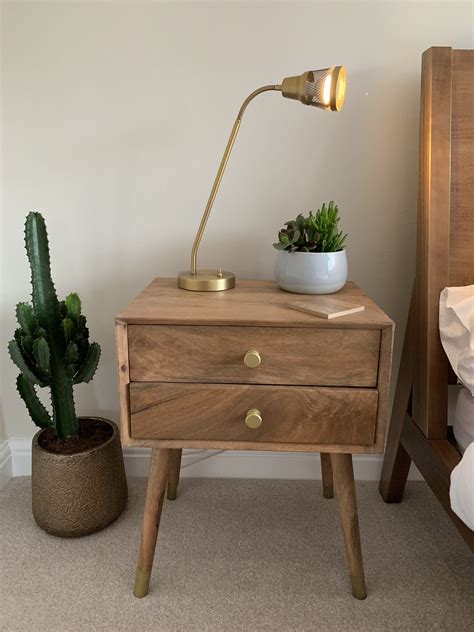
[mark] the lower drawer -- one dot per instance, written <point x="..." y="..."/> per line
<point x="217" y="412"/>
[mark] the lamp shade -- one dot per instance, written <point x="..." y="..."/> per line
<point x="324" y="88"/>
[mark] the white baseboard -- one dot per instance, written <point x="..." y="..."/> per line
<point x="5" y="463"/>
<point x="225" y="464"/>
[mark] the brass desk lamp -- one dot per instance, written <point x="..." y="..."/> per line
<point x="324" y="89"/>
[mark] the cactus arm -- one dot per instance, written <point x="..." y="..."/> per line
<point x="42" y="355"/>
<point x="26" y="317"/>
<point x="68" y="328"/>
<point x="18" y="359"/>
<point x="73" y="305"/>
<point x="89" y="366"/>
<point x="45" y="301"/>
<point x="37" y="411"/>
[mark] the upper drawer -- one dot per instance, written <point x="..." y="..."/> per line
<point x="313" y="357"/>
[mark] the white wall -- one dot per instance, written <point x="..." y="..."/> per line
<point x="115" y="116"/>
<point x="3" y="433"/>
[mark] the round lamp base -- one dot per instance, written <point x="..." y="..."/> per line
<point x="206" y="281"/>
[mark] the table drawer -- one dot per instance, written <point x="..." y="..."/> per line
<point x="217" y="412"/>
<point x="289" y="355"/>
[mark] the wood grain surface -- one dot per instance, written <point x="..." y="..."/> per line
<point x="327" y="475"/>
<point x="461" y="234"/>
<point x="436" y="459"/>
<point x="121" y="341"/>
<point x="217" y="413"/>
<point x="334" y="357"/>
<point x="347" y="501"/>
<point x="396" y="464"/>
<point x="159" y="468"/>
<point x="432" y="259"/>
<point x="258" y="303"/>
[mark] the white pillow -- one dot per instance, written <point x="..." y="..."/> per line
<point x="456" y="328"/>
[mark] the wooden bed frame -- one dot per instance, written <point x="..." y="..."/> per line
<point x="445" y="257"/>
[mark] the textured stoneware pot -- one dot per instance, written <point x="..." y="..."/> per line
<point x="311" y="272"/>
<point x="78" y="494"/>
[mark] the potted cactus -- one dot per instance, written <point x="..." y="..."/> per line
<point x="311" y="257"/>
<point x="78" y="476"/>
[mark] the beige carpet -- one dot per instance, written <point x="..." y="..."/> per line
<point x="239" y="555"/>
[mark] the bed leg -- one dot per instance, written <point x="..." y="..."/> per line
<point x="397" y="461"/>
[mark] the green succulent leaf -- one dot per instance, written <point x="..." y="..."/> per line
<point x="316" y="233"/>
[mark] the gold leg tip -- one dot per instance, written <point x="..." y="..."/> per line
<point x="142" y="582"/>
<point x="171" y="495"/>
<point x="328" y="494"/>
<point x="358" y="586"/>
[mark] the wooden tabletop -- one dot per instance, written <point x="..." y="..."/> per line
<point x="250" y="303"/>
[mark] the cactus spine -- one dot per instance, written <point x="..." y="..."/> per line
<point x="51" y="346"/>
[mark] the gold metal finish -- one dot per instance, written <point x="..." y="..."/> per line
<point x="322" y="88"/>
<point x="207" y="281"/>
<point x="204" y="281"/>
<point x="142" y="582"/>
<point x="358" y="586"/>
<point x="253" y="419"/>
<point x="338" y="88"/>
<point x="252" y="359"/>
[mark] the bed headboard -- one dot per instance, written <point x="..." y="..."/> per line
<point x="445" y="233"/>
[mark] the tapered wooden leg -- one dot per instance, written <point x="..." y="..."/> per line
<point x="396" y="463"/>
<point x="326" y="472"/>
<point x="159" y="468"/>
<point x="346" y="497"/>
<point x="173" y="479"/>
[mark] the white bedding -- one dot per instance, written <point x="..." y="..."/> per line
<point x="461" y="491"/>
<point x="463" y="420"/>
<point x="456" y="326"/>
<point x="456" y="329"/>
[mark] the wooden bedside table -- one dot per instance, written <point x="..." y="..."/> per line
<point x="239" y="370"/>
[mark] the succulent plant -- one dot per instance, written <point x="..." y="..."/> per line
<point x="316" y="233"/>
<point x="51" y="346"/>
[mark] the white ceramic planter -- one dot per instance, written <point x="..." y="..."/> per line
<point x="311" y="272"/>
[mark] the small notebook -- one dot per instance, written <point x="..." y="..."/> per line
<point x="326" y="307"/>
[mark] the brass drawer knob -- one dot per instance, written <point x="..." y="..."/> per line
<point x="253" y="419"/>
<point x="252" y="359"/>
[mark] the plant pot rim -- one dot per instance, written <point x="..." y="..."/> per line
<point x="331" y="252"/>
<point x="78" y="455"/>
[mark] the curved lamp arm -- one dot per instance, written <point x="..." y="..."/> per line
<point x="220" y="173"/>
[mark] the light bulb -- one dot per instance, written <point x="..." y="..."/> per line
<point x="327" y="90"/>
